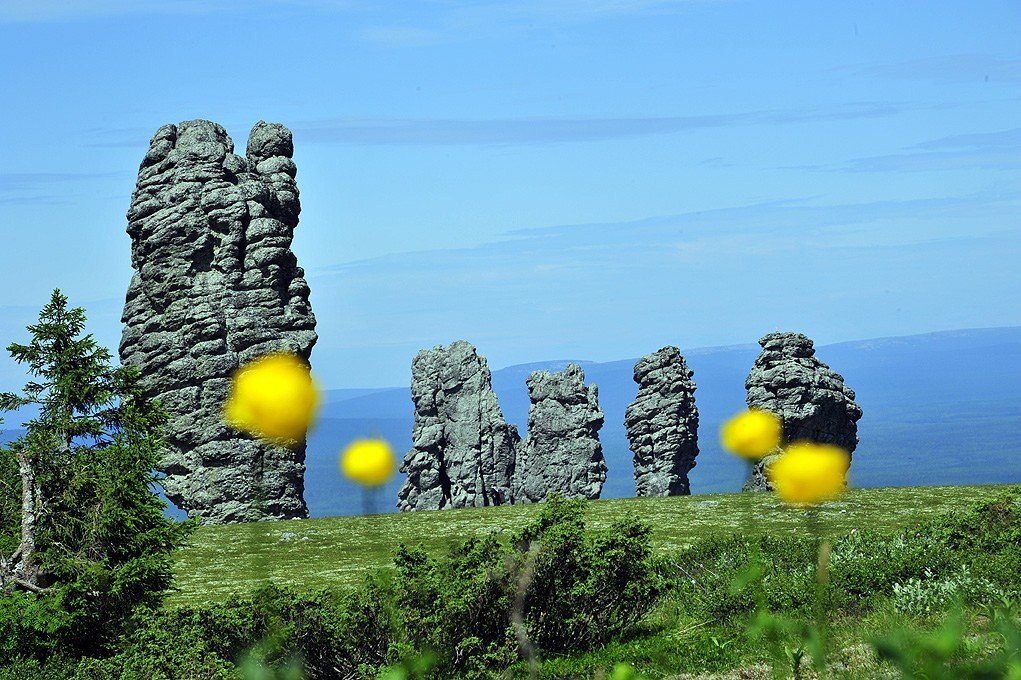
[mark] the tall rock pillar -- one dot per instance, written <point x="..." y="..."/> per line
<point x="812" y="399"/>
<point x="662" y="424"/>
<point x="215" y="286"/>
<point x="561" y="452"/>
<point x="462" y="449"/>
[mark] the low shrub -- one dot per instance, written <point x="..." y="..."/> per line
<point x="584" y="588"/>
<point x="579" y="589"/>
<point x="930" y="595"/>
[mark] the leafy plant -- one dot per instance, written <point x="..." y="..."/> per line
<point x="932" y="594"/>
<point x="943" y="654"/>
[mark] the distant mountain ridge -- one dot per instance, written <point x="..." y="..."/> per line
<point x="939" y="408"/>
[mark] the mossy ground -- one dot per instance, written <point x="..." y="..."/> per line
<point x="335" y="552"/>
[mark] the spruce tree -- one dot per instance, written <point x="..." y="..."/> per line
<point x="83" y="535"/>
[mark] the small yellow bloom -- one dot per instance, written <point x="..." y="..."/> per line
<point x="274" y="398"/>
<point x="370" y="462"/>
<point x="752" y="434"/>
<point x="807" y="473"/>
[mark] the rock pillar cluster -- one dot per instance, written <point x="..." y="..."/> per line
<point x="662" y="424"/>
<point x="813" y="401"/>
<point x="216" y="285"/>
<point x="463" y="452"/>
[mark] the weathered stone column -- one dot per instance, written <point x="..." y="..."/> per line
<point x="463" y="451"/>
<point x="662" y="424"/>
<point x="561" y="451"/>
<point x="812" y="399"/>
<point x="215" y="286"/>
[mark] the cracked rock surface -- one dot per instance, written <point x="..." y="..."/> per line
<point x="812" y="399"/>
<point x="216" y="285"/>
<point x="662" y="424"/>
<point x="463" y="451"/>
<point x="561" y="452"/>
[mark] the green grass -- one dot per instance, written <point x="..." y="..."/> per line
<point x="334" y="552"/>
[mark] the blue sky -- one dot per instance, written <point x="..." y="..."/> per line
<point x="555" y="179"/>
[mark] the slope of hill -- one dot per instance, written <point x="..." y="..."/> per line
<point x="939" y="409"/>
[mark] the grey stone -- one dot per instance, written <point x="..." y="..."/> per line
<point x="462" y="449"/>
<point x="813" y="401"/>
<point x="662" y="424"/>
<point x="215" y="286"/>
<point x="561" y="452"/>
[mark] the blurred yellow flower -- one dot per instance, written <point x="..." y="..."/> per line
<point x="370" y="462"/>
<point x="807" y="473"/>
<point x="274" y="398"/>
<point x="752" y="434"/>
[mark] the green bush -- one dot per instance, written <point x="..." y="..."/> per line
<point x="584" y="605"/>
<point x="457" y="608"/>
<point x="585" y="588"/>
<point x="727" y="576"/>
<point x="580" y="589"/>
<point x="930" y="595"/>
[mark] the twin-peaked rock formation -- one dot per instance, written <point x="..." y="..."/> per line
<point x="812" y="399"/>
<point x="561" y="451"/>
<point x="463" y="451"/>
<point x="215" y="286"/>
<point x="662" y="424"/>
<point x="464" y="454"/>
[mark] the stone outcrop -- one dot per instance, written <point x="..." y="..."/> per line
<point x="216" y="285"/>
<point x="662" y="424"/>
<point x="463" y="452"/>
<point x="561" y="452"/>
<point x="812" y="399"/>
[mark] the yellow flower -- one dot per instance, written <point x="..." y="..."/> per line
<point x="752" y="434"/>
<point x="274" y="398"/>
<point x="370" y="462"/>
<point x="807" y="473"/>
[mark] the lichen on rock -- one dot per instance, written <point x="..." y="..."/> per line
<point x="561" y="452"/>
<point x="662" y="424"/>
<point x="811" y="399"/>
<point x="216" y="285"/>
<point x="463" y="451"/>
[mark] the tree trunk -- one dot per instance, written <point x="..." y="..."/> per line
<point x="21" y="570"/>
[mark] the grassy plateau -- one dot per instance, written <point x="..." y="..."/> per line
<point x="334" y="552"/>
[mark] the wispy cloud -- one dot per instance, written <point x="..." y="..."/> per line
<point x="451" y="17"/>
<point x="959" y="68"/>
<point x="740" y="231"/>
<point x="998" y="150"/>
<point x="57" y="10"/>
<point x="697" y="274"/>
<point x="400" y="36"/>
<point x="43" y="187"/>
<point x="987" y="159"/>
<point x="522" y="131"/>
<point x="409" y="131"/>
<point x="1000" y="139"/>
